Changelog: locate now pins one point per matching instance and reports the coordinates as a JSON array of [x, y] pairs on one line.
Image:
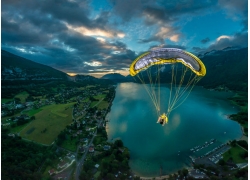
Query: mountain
[[227, 67], [90, 79], [14, 67], [115, 77]]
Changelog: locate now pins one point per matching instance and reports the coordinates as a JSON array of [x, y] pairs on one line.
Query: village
[[81, 148]]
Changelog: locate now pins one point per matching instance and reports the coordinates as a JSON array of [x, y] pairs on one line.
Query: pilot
[[162, 119]]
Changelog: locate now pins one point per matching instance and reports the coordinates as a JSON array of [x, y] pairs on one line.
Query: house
[[106, 147], [78, 125], [19, 106], [91, 149], [12, 135], [51, 172]]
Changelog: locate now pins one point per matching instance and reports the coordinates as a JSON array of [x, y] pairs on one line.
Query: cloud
[[63, 35], [237, 10], [204, 41], [162, 34], [165, 16], [239, 39]]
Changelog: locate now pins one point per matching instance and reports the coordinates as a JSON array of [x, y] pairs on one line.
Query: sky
[[104, 36]]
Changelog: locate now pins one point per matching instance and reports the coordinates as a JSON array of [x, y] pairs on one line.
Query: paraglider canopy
[[167, 55], [186, 70]]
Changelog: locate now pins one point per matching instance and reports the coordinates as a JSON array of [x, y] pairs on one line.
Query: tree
[[110, 176], [118, 143], [185, 172], [243, 144], [221, 162]]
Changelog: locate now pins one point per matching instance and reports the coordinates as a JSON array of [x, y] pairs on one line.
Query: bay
[[200, 118]]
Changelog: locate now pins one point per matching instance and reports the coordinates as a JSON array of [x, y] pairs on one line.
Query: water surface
[[200, 118]]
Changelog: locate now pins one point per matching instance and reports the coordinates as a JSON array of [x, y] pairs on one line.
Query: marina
[[200, 147]]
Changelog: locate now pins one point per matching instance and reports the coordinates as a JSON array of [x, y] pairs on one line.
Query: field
[[5, 100], [103, 105], [32, 112], [49, 122], [100, 96], [93, 103], [23, 95], [235, 153], [70, 144]]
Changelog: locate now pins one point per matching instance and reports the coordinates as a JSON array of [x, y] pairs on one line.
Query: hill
[[115, 77], [19, 74], [14, 67], [227, 67]]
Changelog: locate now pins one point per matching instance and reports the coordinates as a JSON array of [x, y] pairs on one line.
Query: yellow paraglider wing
[[170, 55]]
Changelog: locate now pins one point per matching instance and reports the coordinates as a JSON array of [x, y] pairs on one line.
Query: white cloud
[[94, 63], [174, 38], [95, 32], [223, 37]]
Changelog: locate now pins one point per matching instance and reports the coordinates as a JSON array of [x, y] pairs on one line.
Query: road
[[80, 163]]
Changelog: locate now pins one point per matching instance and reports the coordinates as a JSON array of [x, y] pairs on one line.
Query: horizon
[[102, 37]]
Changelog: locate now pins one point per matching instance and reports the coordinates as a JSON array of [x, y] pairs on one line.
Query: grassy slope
[[54, 118], [23, 95], [235, 152]]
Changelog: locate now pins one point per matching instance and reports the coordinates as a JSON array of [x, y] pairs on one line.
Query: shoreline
[[189, 168]]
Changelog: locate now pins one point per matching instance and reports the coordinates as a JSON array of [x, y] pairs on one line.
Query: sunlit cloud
[[101, 39], [72, 74], [223, 37], [95, 32], [163, 33], [174, 38], [94, 63]]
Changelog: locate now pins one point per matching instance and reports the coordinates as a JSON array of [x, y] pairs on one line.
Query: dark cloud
[[239, 39], [166, 14], [39, 30], [204, 41], [237, 10], [129, 9]]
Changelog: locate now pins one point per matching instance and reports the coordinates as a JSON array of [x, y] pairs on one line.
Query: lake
[[200, 118]]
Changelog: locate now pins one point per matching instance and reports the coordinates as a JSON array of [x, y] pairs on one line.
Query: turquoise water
[[200, 118]]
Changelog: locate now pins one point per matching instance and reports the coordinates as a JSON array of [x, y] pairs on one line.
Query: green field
[[235, 153], [32, 112], [70, 144], [100, 96], [17, 129], [93, 103], [103, 105], [23, 95], [54, 118], [5, 100]]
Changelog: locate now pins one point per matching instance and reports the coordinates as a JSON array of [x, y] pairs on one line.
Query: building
[[91, 149], [106, 147], [51, 172]]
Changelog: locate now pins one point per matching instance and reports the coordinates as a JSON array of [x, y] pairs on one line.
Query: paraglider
[[163, 119], [184, 71]]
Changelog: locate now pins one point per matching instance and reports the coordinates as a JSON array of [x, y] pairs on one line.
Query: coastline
[[166, 176]]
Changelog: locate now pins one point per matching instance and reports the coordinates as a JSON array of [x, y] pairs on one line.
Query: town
[[71, 123]]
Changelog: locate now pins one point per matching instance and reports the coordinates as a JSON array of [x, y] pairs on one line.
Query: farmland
[[50, 121]]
